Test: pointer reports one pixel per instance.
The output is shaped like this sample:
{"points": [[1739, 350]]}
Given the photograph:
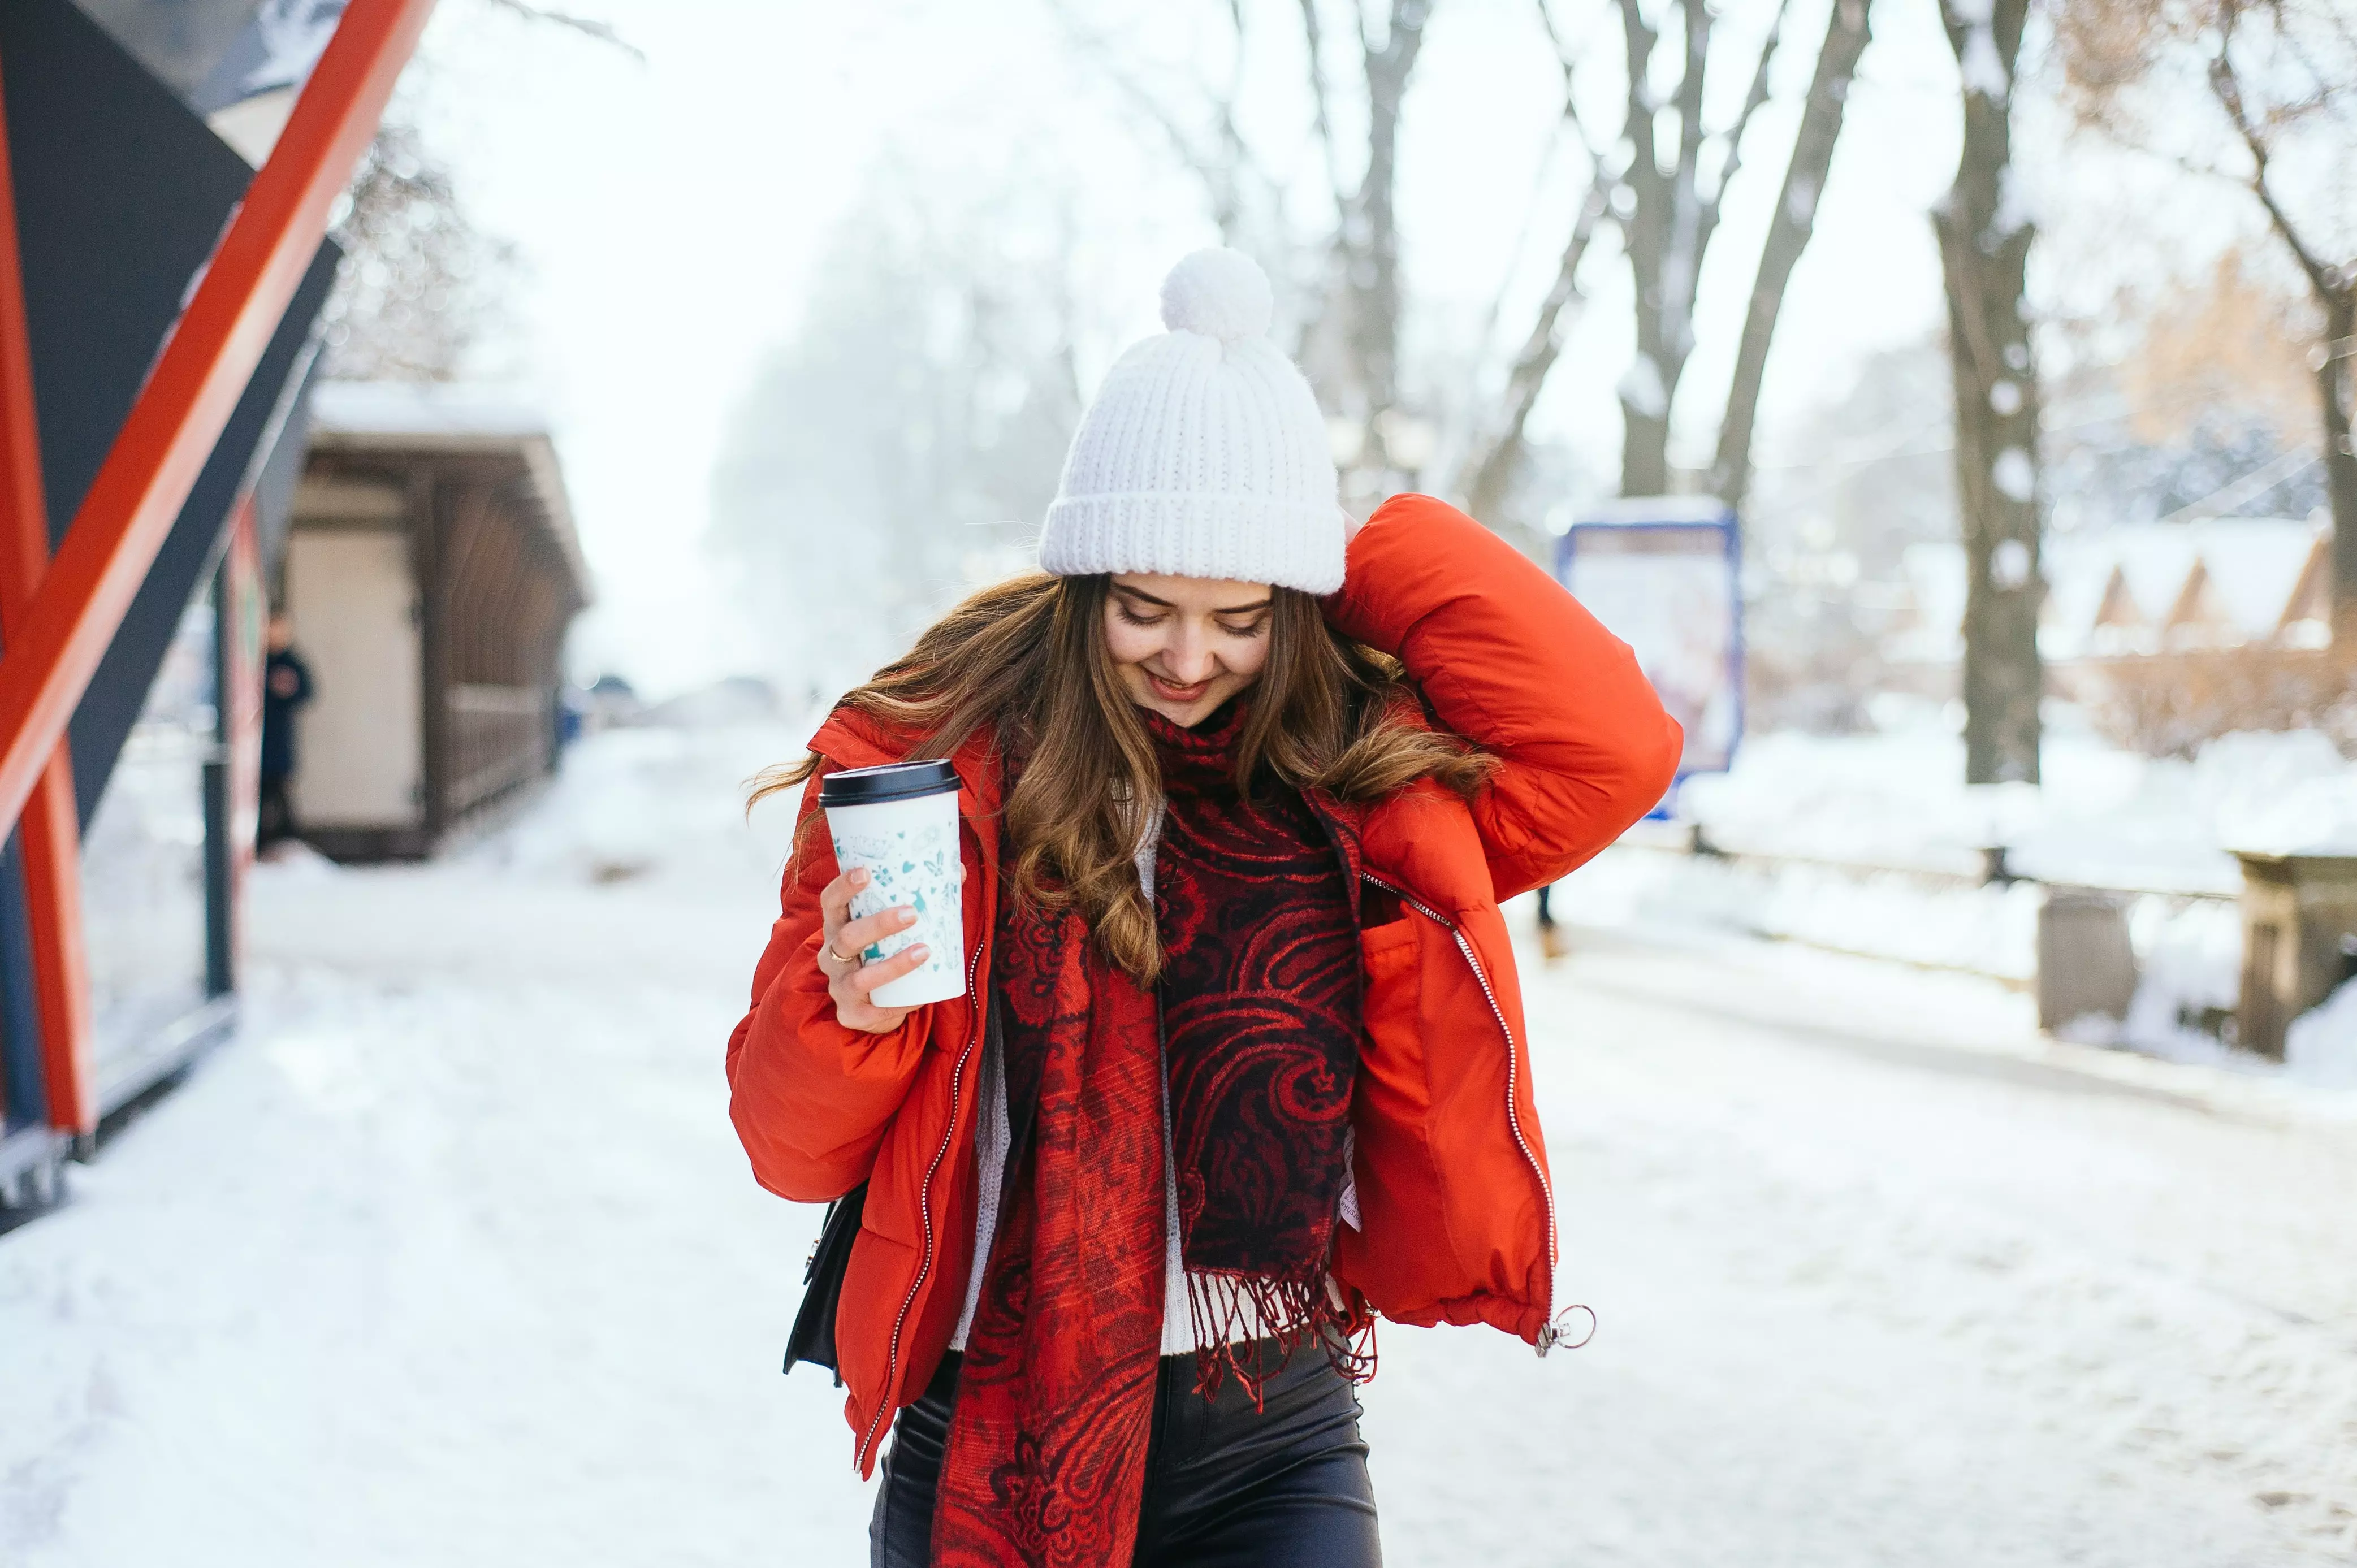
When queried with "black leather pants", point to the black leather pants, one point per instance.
{"points": [[1226, 1486]]}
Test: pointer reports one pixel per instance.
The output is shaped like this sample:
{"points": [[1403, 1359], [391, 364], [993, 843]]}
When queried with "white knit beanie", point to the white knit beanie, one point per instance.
{"points": [[1204, 454]]}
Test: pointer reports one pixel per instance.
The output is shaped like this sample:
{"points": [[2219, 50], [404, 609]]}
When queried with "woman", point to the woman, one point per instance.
{"points": [[1241, 1063]]}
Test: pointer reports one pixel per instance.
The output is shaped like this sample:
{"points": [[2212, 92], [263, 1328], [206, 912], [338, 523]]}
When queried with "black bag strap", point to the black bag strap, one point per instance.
{"points": [[812, 1339]]}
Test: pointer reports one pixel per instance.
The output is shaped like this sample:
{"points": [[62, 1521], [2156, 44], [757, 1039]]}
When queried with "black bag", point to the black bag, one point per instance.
{"points": [[812, 1338]]}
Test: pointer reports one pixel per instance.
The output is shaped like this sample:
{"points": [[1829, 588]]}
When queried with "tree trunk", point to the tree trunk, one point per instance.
{"points": [[1984, 254], [1645, 452], [1664, 238], [1789, 228], [2337, 395], [1371, 232]]}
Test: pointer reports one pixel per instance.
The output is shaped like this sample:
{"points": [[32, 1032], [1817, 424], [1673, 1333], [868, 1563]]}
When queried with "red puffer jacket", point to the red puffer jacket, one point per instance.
{"points": [[1456, 1216]]}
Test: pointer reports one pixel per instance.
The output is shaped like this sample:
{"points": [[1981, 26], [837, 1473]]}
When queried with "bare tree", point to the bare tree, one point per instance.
{"points": [[1790, 227], [1661, 187], [1351, 268], [603, 32], [1243, 194], [1366, 247], [2283, 75], [419, 282], [1666, 200], [1673, 211], [1494, 459], [1984, 242]]}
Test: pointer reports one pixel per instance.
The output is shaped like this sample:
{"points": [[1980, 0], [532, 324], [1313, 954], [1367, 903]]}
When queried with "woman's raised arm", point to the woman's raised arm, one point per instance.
{"points": [[1510, 661]]}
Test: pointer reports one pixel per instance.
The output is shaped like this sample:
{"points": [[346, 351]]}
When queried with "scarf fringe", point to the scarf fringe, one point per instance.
{"points": [[1237, 1318]]}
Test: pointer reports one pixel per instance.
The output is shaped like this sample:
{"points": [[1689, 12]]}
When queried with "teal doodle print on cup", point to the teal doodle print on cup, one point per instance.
{"points": [[900, 822]]}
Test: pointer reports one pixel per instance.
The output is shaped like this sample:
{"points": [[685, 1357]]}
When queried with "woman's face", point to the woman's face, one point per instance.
{"points": [[1185, 644]]}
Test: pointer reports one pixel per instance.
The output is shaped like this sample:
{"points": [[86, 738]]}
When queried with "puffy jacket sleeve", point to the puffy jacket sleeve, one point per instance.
{"points": [[810, 1098], [1509, 660]]}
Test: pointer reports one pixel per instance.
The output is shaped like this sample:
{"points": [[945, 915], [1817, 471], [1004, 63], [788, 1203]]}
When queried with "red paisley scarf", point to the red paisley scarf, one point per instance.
{"points": [[1253, 1030]]}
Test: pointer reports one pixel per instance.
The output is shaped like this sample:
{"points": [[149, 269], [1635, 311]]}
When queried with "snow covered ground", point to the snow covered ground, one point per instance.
{"points": [[451, 1259]]}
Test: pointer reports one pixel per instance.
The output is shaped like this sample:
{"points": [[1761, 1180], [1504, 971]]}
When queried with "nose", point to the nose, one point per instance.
{"points": [[1187, 659]]}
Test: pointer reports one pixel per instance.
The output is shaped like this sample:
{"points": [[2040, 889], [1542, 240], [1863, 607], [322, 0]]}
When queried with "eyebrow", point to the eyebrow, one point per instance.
{"points": [[1166, 603]]}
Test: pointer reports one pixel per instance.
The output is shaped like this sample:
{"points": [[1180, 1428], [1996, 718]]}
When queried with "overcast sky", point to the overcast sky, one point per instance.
{"points": [[668, 216]]}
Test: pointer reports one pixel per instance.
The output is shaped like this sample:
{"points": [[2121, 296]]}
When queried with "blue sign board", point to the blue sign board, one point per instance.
{"points": [[1665, 574]]}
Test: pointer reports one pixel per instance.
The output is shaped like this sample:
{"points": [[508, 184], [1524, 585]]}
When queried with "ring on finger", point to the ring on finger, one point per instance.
{"points": [[839, 958]]}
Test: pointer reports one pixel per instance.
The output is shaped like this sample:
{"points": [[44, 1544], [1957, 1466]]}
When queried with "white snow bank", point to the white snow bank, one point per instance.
{"points": [[2189, 974], [2103, 816], [2279, 794], [2322, 1044], [1988, 930]]}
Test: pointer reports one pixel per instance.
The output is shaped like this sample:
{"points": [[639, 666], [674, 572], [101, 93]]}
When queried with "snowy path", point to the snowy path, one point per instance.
{"points": [[1885, 1279], [452, 1259]]}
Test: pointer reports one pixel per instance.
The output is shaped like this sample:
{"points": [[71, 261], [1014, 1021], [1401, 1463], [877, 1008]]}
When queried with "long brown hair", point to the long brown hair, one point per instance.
{"points": [[1026, 660]]}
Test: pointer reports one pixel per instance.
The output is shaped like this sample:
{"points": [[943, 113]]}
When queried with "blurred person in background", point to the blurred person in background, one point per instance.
{"points": [[1240, 1064], [286, 686]]}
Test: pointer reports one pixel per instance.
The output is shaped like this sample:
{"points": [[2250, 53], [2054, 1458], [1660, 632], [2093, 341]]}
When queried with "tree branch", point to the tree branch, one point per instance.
{"points": [[1313, 36], [1221, 166], [1691, 87], [1752, 100], [602, 31], [2228, 88], [1489, 470], [1639, 41], [1789, 226], [1569, 60]]}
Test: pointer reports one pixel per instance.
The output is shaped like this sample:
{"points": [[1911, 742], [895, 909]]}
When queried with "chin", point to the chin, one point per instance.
{"points": [[1188, 714]]}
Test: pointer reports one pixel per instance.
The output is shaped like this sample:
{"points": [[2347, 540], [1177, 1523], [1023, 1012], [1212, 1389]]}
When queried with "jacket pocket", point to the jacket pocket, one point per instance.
{"points": [[1401, 1257], [914, 1147], [875, 1283]]}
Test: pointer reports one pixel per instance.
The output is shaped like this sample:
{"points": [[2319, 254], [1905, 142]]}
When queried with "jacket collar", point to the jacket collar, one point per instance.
{"points": [[853, 739]]}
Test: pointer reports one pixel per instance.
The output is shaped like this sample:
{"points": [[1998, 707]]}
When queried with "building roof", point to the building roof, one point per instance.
{"points": [[453, 418], [2248, 576], [2136, 589]]}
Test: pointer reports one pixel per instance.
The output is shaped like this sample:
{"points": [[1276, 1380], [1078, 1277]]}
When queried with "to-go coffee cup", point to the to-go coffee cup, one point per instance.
{"points": [[899, 824]]}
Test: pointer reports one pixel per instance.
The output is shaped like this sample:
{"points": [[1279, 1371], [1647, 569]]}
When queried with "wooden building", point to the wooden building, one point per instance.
{"points": [[430, 571]]}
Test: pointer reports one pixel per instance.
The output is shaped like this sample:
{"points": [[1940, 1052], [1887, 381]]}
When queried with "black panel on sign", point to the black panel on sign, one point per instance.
{"points": [[22, 1083], [121, 193], [180, 40], [119, 690]]}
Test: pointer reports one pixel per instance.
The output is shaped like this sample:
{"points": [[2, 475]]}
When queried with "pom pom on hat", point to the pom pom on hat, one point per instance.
{"points": [[1219, 293], [1204, 454]]}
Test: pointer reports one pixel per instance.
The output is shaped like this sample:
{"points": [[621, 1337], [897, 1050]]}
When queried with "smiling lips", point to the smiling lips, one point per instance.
{"points": [[1171, 691]]}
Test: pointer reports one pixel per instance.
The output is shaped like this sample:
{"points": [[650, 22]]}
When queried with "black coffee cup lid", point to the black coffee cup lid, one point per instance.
{"points": [[892, 781]]}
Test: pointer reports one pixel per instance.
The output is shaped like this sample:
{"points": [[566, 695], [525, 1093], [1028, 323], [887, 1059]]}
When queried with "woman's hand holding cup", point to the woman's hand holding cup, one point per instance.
{"points": [[843, 941]]}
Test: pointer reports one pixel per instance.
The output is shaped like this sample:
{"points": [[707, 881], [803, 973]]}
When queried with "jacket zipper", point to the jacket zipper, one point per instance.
{"points": [[1547, 1334], [925, 1211]]}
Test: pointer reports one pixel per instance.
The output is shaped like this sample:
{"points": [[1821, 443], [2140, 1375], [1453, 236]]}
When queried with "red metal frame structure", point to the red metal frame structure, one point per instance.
{"points": [[57, 616], [51, 834]]}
